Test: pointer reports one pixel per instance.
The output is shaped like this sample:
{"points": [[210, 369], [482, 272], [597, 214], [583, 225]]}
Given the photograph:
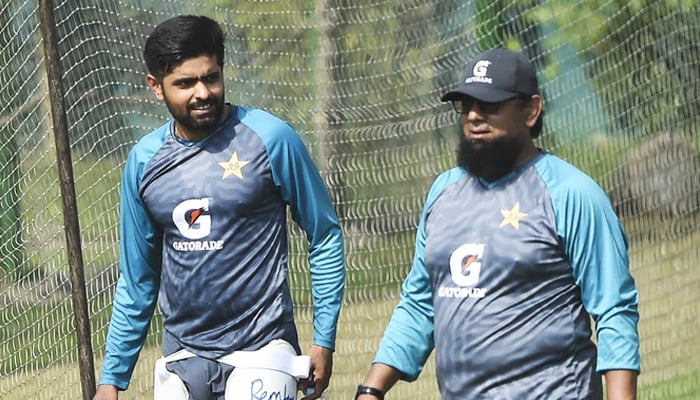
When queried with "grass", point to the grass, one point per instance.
{"points": [[97, 181], [683, 387], [665, 274], [38, 350], [360, 330]]}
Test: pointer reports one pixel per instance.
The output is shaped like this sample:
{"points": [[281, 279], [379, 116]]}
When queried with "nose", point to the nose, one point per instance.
{"points": [[201, 90], [475, 113]]}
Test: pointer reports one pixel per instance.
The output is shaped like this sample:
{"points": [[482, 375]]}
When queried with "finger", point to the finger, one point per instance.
{"points": [[312, 393]]}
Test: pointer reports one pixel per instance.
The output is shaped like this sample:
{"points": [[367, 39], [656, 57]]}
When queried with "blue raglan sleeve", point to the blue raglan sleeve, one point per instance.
{"points": [[137, 288], [408, 338], [596, 245], [311, 208]]}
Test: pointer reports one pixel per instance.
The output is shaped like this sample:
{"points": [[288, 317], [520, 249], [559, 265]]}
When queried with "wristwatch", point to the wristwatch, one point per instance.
{"points": [[369, 390]]}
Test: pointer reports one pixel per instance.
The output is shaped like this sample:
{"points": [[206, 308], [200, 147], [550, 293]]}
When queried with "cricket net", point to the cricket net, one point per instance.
{"points": [[361, 82]]}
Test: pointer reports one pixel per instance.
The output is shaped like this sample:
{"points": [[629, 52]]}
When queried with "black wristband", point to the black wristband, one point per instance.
{"points": [[369, 390]]}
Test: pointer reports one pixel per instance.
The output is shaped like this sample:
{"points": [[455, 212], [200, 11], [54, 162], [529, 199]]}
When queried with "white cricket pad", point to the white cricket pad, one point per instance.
{"points": [[167, 385], [269, 373]]}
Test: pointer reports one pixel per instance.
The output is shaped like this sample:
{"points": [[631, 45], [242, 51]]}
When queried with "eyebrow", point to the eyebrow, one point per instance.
{"points": [[190, 79]]}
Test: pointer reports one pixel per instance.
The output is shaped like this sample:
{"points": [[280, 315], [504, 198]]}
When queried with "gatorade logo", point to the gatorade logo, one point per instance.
{"points": [[465, 264], [192, 218], [465, 270], [481, 67]]}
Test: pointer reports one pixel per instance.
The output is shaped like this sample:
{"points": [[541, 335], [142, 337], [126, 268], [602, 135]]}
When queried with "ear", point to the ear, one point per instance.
{"points": [[534, 109], [155, 86]]}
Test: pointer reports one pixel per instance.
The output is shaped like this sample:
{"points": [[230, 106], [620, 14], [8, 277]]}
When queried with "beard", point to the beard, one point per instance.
{"points": [[490, 159], [187, 121]]}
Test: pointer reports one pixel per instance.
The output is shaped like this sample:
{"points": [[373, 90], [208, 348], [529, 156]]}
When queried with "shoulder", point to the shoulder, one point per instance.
{"points": [[572, 192], [143, 152], [443, 181], [561, 178], [148, 145], [269, 127]]}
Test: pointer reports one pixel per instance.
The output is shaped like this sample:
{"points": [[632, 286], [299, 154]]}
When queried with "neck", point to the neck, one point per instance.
{"points": [[197, 135], [493, 172]]}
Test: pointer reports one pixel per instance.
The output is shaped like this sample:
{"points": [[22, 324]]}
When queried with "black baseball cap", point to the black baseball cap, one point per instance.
{"points": [[496, 75]]}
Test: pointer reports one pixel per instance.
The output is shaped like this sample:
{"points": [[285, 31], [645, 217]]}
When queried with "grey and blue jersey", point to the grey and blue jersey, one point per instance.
{"points": [[505, 279], [204, 233]]}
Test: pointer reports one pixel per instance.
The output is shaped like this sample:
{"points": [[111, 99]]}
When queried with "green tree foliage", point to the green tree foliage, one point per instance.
{"points": [[323, 65], [642, 55]]}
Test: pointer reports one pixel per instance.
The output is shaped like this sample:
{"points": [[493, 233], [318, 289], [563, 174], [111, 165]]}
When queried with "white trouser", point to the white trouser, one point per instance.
{"points": [[270, 373]]}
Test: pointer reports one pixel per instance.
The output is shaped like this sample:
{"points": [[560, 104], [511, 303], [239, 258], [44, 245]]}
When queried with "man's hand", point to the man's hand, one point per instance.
{"points": [[106, 392], [321, 369]]}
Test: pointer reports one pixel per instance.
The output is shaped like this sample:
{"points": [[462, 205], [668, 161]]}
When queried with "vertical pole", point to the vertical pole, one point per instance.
{"points": [[70, 214]]}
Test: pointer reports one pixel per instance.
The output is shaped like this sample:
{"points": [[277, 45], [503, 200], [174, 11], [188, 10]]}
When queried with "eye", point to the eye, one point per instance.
{"points": [[184, 83], [213, 78], [465, 106], [489, 108]]}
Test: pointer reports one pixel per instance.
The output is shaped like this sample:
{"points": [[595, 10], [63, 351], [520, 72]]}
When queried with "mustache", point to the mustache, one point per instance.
{"points": [[201, 103]]}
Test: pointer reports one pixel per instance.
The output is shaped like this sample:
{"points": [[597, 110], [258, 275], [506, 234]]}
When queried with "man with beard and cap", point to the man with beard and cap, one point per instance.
{"points": [[516, 250], [203, 232]]}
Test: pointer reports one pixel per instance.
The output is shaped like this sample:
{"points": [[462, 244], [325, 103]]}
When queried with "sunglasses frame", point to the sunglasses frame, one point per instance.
{"points": [[486, 107]]}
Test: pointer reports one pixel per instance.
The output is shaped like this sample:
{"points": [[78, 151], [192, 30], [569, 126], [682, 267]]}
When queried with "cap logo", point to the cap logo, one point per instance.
{"points": [[480, 67], [479, 72]]}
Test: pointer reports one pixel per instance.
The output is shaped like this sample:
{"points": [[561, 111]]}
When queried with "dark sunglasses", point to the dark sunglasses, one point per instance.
{"points": [[463, 106]]}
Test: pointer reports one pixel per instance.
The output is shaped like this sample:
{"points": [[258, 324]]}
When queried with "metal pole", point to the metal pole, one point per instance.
{"points": [[70, 213]]}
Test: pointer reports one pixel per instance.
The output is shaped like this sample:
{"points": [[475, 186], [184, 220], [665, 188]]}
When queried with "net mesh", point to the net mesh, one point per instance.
{"points": [[361, 82]]}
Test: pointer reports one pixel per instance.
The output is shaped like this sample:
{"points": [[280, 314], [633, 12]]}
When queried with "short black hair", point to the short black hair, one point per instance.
{"points": [[180, 38]]}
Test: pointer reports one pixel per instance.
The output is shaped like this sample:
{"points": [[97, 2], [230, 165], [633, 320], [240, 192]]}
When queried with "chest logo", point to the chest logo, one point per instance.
{"points": [[465, 264], [233, 166], [192, 218], [513, 216]]}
